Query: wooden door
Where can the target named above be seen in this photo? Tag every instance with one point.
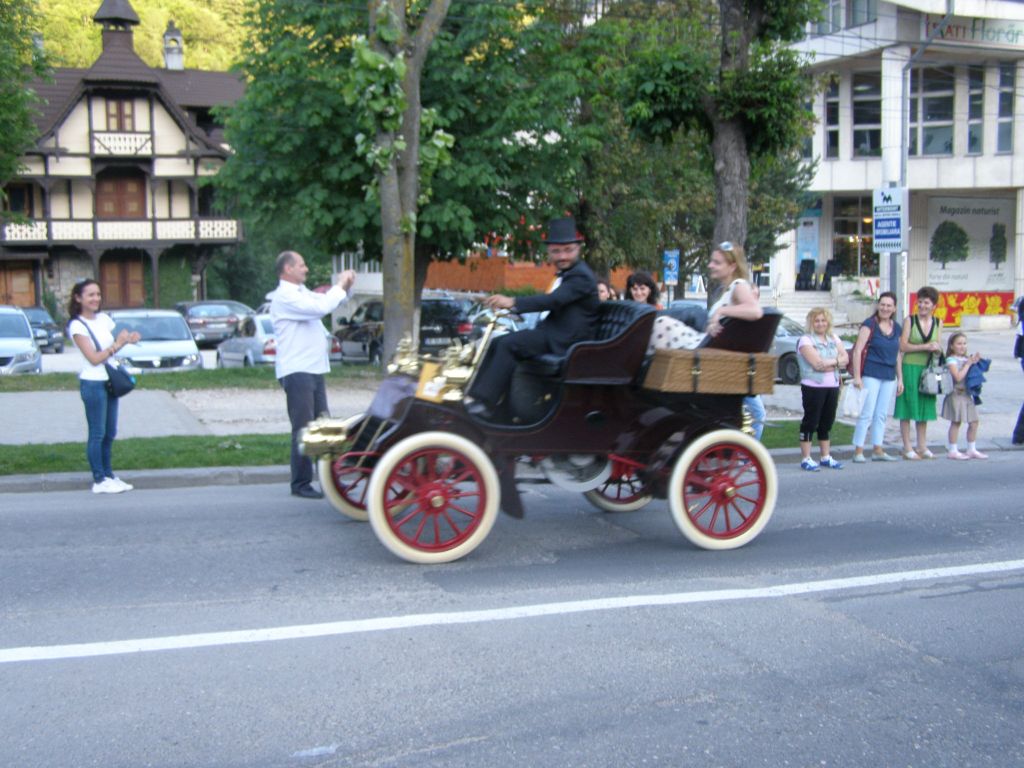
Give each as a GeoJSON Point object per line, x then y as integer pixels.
{"type": "Point", "coordinates": [121, 197]}
{"type": "Point", "coordinates": [16, 284]}
{"type": "Point", "coordinates": [121, 283]}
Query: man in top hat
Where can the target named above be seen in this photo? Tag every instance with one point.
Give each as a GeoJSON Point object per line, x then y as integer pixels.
{"type": "Point", "coordinates": [571, 313]}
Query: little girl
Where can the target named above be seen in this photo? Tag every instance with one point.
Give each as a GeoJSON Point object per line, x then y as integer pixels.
{"type": "Point", "coordinates": [959, 405]}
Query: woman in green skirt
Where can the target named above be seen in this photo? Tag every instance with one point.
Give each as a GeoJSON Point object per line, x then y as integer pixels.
{"type": "Point", "coordinates": [921, 337]}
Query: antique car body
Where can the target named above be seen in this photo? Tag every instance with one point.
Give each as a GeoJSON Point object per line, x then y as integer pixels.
{"type": "Point", "coordinates": [430, 476]}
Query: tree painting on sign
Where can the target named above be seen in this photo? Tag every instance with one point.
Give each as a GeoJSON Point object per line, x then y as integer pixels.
{"type": "Point", "coordinates": [949, 243]}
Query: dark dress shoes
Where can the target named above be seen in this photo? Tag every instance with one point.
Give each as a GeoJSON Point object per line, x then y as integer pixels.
{"type": "Point", "coordinates": [308, 492]}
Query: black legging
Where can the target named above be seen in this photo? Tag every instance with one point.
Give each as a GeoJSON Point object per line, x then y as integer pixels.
{"type": "Point", "coordinates": [820, 405]}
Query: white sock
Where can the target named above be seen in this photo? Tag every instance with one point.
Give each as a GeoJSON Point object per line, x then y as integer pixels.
{"type": "Point", "coordinates": [951, 447]}
{"type": "Point", "coordinates": [972, 447]}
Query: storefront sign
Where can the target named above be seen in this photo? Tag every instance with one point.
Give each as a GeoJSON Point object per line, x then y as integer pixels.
{"type": "Point", "coordinates": [970, 244]}
{"type": "Point", "coordinates": [807, 230]}
{"type": "Point", "coordinates": [953, 304]}
{"type": "Point", "coordinates": [1001, 33]}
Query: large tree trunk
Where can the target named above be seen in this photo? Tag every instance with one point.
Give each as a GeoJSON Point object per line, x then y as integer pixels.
{"type": "Point", "coordinates": [732, 182]}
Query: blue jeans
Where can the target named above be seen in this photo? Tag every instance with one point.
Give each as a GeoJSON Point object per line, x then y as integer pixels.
{"type": "Point", "coordinates": [101, 416]}
{"type": "Point", "coordinates": [755, 405]}
{"type": "Point", "coordinates": [877, 396]}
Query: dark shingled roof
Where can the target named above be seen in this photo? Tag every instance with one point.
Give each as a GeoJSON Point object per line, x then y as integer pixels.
{"type": "Point", "coordinates": [116, 12]}
{"type": "Point", "coordinates": [119, 62]}
{"type": "Point", "coordinates": [198, 88]}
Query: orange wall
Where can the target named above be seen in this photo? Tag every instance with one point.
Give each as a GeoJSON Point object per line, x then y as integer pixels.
{"type": "Point", "coordinates": [497, 274]}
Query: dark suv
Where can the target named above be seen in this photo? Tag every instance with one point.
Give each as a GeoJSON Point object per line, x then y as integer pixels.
{"type": "Point", "coordinates": [442, 320]}
{"type": "Point", "coordinates": [49, 336]}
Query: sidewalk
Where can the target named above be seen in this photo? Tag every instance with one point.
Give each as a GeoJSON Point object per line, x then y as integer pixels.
{"type": "Point", "coordinates": [51, 417]}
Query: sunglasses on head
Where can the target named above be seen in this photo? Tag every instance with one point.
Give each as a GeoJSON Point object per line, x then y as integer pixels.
{"type": "Point", "coordinates": [725, 246]}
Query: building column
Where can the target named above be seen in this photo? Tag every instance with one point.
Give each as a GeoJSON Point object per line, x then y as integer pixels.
{"type": "Point", "coordinates": [893, 105]}
{"type": "Point", "coordinates": [154, 266]}
{"type": "Point", "coordinates": [1018, 245]}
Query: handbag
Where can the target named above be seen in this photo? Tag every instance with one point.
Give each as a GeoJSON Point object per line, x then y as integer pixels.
{"type": "Point", "coordinates": [119, 381]}
{"type": "Point", "coordinates": [935, 379]}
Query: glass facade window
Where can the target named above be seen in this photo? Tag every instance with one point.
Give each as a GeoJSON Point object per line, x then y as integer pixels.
{"type": "Point", "coordinates": [1007, 82]}
{"type": "Point", "coordinates": [831, 19]}
{"type": "Point", "coordinates": [931, 112]}
{"type": "Point", "coordinates": [863, 11]}
{"type": "Point", "coordinates": [852, 232]}
{"type": "Point", "coordinates": [832, 120]}
{"type": "Point", "coordinates": [867, 114]}
{"type": "Point", "coordinates": [975, 110]}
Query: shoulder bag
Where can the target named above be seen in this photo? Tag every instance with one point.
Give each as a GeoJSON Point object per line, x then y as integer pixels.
{"type": "Point", "coordinates": [935, 378]}
{"type": "Point", "coordinates": [119, 381]}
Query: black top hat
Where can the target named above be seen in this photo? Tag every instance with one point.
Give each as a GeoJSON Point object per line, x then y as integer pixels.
{"type": "Point", "coordinates": [563, 231]}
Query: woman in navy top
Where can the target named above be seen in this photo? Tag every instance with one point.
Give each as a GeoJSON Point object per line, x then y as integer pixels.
{"type": "Point", "coordinates": [878, 351]}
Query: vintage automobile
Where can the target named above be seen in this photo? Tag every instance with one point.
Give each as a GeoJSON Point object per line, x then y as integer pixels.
{"type": "Point", "coordinates": [604, 421]}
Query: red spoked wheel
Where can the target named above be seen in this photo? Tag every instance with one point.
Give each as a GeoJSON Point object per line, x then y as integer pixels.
{"type": "Point", "coordinates": [623, 491]}
{"type": "Point", "coordinates": [433, 498]}
{"type": "Point", "coordinates": [723, 489]}
{"type": "Point", "coordinates": [345, 480]}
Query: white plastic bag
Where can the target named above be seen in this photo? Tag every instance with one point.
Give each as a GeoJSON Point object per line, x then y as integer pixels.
{"type": "Point", "coordinates": [853, 402]}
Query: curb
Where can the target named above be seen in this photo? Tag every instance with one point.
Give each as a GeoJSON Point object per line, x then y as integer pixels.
{"type": "Point", "coordinates": [150, 479]}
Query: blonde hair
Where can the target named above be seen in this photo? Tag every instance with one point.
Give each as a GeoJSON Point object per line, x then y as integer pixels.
{"type": "Point", "coordinates": [736, 256]}
{"type": "Point", "coordinates": [816, 312]}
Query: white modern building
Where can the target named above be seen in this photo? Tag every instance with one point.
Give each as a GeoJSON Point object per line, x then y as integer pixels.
{"type": "Point", "coordinates": [927, 95]}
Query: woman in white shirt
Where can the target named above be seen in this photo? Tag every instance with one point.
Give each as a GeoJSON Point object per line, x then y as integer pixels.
{"type": "Point", "coordinates": [93, 334]}
{"type": "Point", "coordinates": [727, 267]}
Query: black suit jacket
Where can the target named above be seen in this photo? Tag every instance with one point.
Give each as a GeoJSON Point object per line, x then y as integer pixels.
{"type": "Point", "coordinates": [572, 309]}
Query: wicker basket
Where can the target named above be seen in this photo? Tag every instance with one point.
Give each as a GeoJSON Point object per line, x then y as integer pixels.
{"type": "Point", "coordinates": [711, 372]}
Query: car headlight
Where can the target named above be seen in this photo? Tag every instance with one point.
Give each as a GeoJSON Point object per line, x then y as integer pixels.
{"type": "Point", "coordinates": [192, 359]}
{"type": "Point", "coordinates": [24, 357]}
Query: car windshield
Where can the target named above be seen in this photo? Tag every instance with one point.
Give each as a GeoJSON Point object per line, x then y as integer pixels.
{"type": "Point", "coordinates": [14, 327]}
{"type": "Point", "coordinates": [211, 310]}
{"type": "Point", "coordinates": [441, 312]}
{"type": "Point", "coordinates": [154, 328]}
{"type": "Point", "coordinates": [37, 315]}
{"type": "Point", "coordinates": [790, 328]}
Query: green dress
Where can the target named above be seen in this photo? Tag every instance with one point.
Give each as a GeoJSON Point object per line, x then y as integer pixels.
{"type": "Point", "coordinates": [912, 405]}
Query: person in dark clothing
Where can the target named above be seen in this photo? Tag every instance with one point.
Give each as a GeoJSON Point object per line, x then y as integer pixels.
{"type": "Point", "coordinates": [569, 314]}
{"type": "Point", "coordinates": [1018, 351]}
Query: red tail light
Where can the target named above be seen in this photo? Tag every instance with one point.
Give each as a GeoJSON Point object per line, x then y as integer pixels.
{"type": "Point", "coordinates": [465, 328]}
{"type": "Point", "coordinates": [270, 348]}
{"type": "Point", "coordinates": [232, 320]}
{"type": "Point", "coordinates": [335, 345]}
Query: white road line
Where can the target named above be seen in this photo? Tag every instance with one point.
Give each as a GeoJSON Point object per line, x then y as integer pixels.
{"type": "Point", "coordinates": [390, 623]}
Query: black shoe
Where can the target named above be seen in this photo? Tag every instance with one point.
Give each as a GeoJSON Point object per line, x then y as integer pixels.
{"type": "Point", "coordinates": [307, 492]}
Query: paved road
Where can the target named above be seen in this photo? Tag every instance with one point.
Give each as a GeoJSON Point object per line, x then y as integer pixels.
{"type": "Point", "coordinates": [749, 659]}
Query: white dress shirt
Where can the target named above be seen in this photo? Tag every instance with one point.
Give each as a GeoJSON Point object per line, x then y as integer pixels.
{"type": "Point", "coordinates": [296, 312]}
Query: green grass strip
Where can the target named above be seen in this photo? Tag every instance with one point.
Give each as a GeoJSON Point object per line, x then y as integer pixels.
{"type": "Point", "coordinates": [242, 451]}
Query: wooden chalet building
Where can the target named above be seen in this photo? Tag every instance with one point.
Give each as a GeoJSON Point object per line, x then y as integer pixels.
{"type": "Point", "coordinates": [112, 188]}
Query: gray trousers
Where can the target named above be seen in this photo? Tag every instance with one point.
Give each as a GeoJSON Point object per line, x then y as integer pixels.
{"type": "Point", "coordinates": [306, 395]}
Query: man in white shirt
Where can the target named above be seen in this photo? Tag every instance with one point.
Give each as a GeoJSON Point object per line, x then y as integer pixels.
{"type": "Point", "coordinates": [302, 357]}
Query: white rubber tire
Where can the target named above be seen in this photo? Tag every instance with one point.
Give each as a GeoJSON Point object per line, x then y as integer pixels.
{"type": "Point", "coordinates": [379, 494]}
{"type": "Point", "coordinates": [333, 495]}
{"type": "Point", "coordinates": [763, 479]}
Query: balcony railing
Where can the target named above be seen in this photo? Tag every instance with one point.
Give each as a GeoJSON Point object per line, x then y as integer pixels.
{"type": "Point", "coordinates": [122, 144]}
{"type": "Point", "coordinates": [43, 231]}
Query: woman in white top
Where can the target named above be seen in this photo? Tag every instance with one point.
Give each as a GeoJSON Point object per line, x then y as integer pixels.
{"type": "Point", "coordinates": [100, 408]}
{"type": "Point", "coordinates": [727, 267]}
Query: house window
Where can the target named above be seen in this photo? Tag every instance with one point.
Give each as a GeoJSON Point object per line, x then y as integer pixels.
{"type": "Point", "coordinates": [975, 110]}
{"type": "Point", "coordinates": [831, 19]}
{"type": "Point", "coordinates": [931, 112]}
{"type": "Point", "coordinates": [852, 234]}
{"type": "Point", "coordinates": [863, 11]}
{"type": "Point", "coordinates": [18, 199]}
{"type": "Point", "coordinates": [1007, 80]}
{"type": "Point", "coordinates": [832, 120]}
{"type": "Point", "coordinates": [867, 114]}
{"type": "Point", "coordinates": [120, 115]}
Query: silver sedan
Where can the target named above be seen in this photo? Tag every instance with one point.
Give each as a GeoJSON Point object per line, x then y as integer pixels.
{"type": "Point", "coordinates": [254, 344]}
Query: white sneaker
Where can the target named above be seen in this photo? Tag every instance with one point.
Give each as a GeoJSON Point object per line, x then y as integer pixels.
{"type": "Point", "coordinates": [107, 485]}
{"type": "Point", "coordinates": [124, 486]}
{"type": "Point", "coordinates": [956, 455]}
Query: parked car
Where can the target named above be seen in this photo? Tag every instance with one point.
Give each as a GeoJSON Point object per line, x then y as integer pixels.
{"type": "Point", "coordinates": [49, 336]}
{"type": "Point", "coordinates": [254, 344]}
{"type": "Point", "coordinates": [442, 320]}
{"type": "Point", "coordinates": [212, 321]}
{"type": "Point", "coordinates": [166, 343]}
{"type": "Point", "coordinates": [19, 352]}
{"type": "Point", "coordinates": [786, 337]}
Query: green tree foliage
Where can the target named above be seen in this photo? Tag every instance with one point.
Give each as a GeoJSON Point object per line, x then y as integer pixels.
{"type": "Point", "coordinates": [949, 243]}
{"type": "Point", "coordinates": [20, 61]}
{"type": "Point", "coordinates": [997, 245]}
{"type": "Point", "coordinates": [212, 31]}
{"type": "Point", "coordinates": [727, 71]}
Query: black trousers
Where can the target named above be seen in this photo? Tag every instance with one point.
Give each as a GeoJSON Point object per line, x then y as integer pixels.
{"type": "Point", "coordinates": [820, 404]}
{"type": "Point", "coordinates": [306, 395]}
{"type": "Point", "coordinates": [1018, 430]}
{"type": "Point", "coordinates": [495, 374]}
